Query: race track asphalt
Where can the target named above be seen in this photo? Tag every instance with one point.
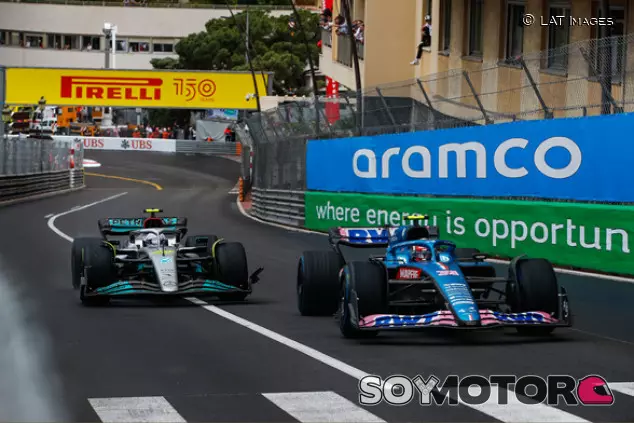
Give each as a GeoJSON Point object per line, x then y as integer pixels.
{"type": "Point", "coordinates": [198, 363]}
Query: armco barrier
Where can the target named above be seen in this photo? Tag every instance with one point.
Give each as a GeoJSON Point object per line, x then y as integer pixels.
{"type": "Point", "coordinates": [152, 145]}
{"type": "Point", "coordinates": [14, 187]}
{"type": "Point", "coordinates": [31, 167]}
{"type": "Point", "coordinates": [279, 206]}
{"type": "Point", "coordinates": [599, 237]}
{"type": "Point", "coordinates": [214, 147]}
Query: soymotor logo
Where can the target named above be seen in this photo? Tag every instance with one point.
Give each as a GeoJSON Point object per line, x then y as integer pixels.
{"type": "Point", "coordinates": [477, 390]}
{"type": "Point", "coordinates": [557, 158]}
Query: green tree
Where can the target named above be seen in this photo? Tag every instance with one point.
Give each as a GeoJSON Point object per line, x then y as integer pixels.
{"type": "Point", "coordinates": [276, 48]}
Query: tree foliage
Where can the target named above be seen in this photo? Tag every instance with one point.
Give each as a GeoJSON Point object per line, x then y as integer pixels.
{"type": "Point", "coordinates": [276, 47]}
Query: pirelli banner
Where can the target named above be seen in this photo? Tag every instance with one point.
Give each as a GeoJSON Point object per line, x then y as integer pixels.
{"type": "Point", "coordinates": [134, 88]}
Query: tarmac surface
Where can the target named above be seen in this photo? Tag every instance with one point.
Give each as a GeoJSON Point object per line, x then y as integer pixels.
{"type": "Point", "coordinates": [258, 361]}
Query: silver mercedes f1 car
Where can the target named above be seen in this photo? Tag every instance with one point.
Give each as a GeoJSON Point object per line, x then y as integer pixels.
{"type": "Point", "coordinates": [152, 260]}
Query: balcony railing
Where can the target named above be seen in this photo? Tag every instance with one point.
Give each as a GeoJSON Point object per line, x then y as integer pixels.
{"type": "Point", "coordinates": [326, 38]}
{"type": "Point", "coordinates": [344, 50]}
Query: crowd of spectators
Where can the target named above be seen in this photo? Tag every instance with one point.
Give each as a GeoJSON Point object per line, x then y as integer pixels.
{"type": "Point", "coordinates": [340, 26]}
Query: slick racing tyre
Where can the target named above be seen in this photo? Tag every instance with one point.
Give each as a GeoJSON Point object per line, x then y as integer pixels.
{"type": "Point", "coordinates": [231, 262]}
{"type": "Point", "coordinates": [97, 260]}
{"type": "Point", "coordinates": [534, 288]}
{"type": "Point", "coordinates": [318, 284]}
{"type": "Point", "coordinates": [77, 258]}
{"type": "Point", "coordinates": [368, 282]}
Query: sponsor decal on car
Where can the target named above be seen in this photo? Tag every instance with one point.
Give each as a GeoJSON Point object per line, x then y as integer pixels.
{"type": "Point", "coordinates": [447, 273]}
{"type": "Point", "coordinates": [408, 273]}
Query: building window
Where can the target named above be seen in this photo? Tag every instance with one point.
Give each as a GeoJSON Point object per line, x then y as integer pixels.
{"type": "Point", "coordinates": [558, 35]}
{"type": "Point", "coordinates": [90, 42]}
{"type": "Point", "coordinates": [428, 4]}
{"type": "Point", "coordinates": [476, 17]}
{"type": "Point", "coordinates": [617, 43]}
{"type": "Point", "coordinates": [139, 47]}
{"type": "Point", "coordinates": [515, 28]}
{"type": "Point", "coordinates": [163, 47]}
{"type": "Point", "coordinates": [446, 25]}
{"type": "Point", "coordinates": [33, 41]}
{"type": "Point", "coordinates": [122, 45]}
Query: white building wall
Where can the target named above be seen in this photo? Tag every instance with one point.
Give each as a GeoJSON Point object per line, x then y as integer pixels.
{"type": "Point", "coordinates": [135, 24]}
{"type": "Point", "coordinates": [33, 57]}
{"type": "Point", "coordinates": [87, 20]}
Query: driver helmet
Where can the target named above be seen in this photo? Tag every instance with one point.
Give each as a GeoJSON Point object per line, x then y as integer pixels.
{"type": "Point", "coordinates": [154, 239]}
{"type": "Point", "coordinates": [421, 253]}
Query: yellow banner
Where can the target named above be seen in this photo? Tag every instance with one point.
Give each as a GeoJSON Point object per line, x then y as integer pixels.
{"type": "Point", "coordinates": [118, 88]}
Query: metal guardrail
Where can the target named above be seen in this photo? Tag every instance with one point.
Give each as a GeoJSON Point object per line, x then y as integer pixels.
{"type": "Point", "coordinates": [279, 206]}
{"type": "Point", "coordinates": [13, 187]}
{"type": "Point", "coordinates": [33, 155]}
{"type": "Point", "coordinates": [214, 147]}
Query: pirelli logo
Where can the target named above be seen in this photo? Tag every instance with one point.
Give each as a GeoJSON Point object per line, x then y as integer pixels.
{"type": "Point", "coordinates": [106, 88]}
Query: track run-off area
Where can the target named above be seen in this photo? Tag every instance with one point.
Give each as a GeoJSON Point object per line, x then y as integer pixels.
{"type": "Point", "coordinates": [258, 361]}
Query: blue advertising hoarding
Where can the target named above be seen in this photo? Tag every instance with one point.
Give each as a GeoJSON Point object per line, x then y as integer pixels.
{"type": "Point", "coordinates": [583, 159]}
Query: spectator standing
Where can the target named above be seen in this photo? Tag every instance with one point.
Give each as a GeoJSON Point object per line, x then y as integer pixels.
{"type": "Point", "coordinates": [425, 40]}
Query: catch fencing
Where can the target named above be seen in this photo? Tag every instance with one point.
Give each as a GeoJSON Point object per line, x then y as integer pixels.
{"type": "Point", "coordinates": [570, 81]}
{"type": "Point", "coordinates": [198, 147]}
{"type": "Point", "coordinates": [35, 166]}
{"type": "Point", "coordinates": [586, 78]}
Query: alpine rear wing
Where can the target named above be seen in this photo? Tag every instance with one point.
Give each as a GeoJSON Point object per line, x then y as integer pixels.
{"type": "Point", "coordinates": [361, 237]}
{"type": "Point", "coordinates": [125, 225]}
{"type": "Point", "coordinates": [380, 236]}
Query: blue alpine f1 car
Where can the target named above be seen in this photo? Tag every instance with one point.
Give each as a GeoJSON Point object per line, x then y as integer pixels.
{"type": "Point", "coordinates": [424, 282]}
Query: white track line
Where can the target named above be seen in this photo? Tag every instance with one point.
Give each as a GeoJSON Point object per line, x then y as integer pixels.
{"type": "Point", "coordinates": [547, 415]}
{"type": "Point", "coordinates": [51, 220]}
{"type": "Point", "coordinates": [135, 409]}
{"type": "Point", "coordinates": [558, 270]}
{"type": "Point", "coordinates": [319, 407]}
{"type": "Point", "coordinates": [518, 412]}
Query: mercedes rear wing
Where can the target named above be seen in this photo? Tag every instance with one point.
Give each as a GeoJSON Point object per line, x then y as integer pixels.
{"type": "Point", "coordinates": [125, 225]}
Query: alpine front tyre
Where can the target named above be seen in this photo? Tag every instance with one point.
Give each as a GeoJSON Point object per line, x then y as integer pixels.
{"type": "Point", "coordinates": [231, 262]}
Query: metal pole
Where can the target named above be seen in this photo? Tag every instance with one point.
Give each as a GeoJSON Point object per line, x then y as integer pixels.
{"type": "Point", "coordinates": [300, 28]}
{"type": "Point", "coordinates": [606, 62]}
{"type": "Point", "coordinates": [355, 59]}
{"type": "Point", "coordinates": [255, 81]}
{"type": "Point", "coordinates": [487, 121]}
{"type": "Point", "coordinates": [114, 47]}
{"type": "Point", "coordinates": [548, 114]}
{"type": "Point", "coordinates": [107, 53]}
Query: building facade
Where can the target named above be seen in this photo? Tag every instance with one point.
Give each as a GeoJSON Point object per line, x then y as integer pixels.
{"type": "Point", "coordinates": [57, 35]}
{"type": "Point", "coordinates": [485, 38]}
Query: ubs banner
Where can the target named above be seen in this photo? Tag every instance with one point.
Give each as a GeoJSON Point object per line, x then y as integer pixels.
{"type": "Point", "coordinates": [583, 159]}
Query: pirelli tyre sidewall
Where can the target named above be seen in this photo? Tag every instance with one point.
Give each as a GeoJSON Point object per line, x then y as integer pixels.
{"type": "Point", "coordinates": [99, 264]}
{"type": "Point", "coordinates": [318, 283]}
{"type": "Point", "coordinates": [77, 257]}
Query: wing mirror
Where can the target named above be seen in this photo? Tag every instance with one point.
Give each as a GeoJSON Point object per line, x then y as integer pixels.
{"type": "Point", "coordinates": [480, 256]}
